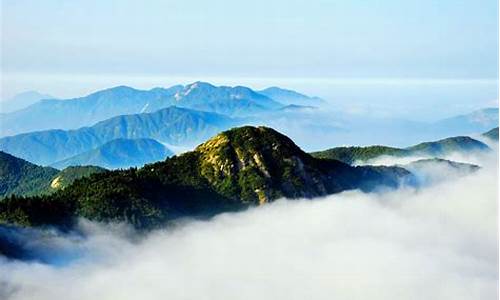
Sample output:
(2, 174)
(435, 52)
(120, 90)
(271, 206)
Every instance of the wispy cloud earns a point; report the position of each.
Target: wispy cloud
(436, 243)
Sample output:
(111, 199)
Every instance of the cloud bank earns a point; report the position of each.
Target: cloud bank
(440, 242)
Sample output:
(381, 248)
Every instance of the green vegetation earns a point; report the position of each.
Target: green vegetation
(449, 145)
(350, 155)
(171, 125)
(18, 176)
(492, 134)
(68, 175)
(433, 162)
(119, 154)
(22, 178)
(237, 168)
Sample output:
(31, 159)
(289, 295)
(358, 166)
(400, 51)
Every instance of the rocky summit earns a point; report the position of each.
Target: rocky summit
(235, 169)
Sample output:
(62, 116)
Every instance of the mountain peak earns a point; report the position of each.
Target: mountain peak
(239, 167)
(200, 85)
(117, 89)
(197, 87)
(263, 163)
(120, 91)
(290, 97)
(119, 153)
(251, 139)
(449, 145)
(22, 100)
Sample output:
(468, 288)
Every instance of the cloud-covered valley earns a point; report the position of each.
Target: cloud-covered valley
(439, 242)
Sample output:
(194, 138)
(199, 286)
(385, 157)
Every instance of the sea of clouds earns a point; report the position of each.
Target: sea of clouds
(437, 242)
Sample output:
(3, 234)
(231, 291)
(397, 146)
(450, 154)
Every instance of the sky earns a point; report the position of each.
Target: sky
(410, 57)
(244, 39)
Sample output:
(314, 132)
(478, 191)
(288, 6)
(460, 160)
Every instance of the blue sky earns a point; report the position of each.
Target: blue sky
(285, 39)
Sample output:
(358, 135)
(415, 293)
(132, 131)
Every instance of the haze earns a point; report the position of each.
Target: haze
(81, 41)
(403, 244)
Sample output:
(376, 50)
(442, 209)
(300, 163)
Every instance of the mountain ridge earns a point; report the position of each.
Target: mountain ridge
(237, 168)
(237, 101)
(491, 134)
(22, 100)
(119, 153)
(476, 121)
(290, 97)
(171, 125)
(435, 149)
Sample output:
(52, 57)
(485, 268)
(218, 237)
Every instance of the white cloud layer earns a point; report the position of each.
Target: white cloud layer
(437, 243)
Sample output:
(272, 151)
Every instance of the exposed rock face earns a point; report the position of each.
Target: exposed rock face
(262, 163)
(237, 168)
(56, 183)
(258, 164)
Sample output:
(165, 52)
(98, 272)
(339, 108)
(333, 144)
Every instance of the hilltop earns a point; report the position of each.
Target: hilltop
(351, 155)
(492, 134)
(235, 169)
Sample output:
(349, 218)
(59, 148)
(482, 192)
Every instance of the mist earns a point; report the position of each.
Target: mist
(436, 242)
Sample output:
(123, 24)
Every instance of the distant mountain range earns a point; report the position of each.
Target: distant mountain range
(289, 97)
(316, 128)
(351, 155)
(126, 113)
(435, 170)
(21, 101)
(231, 101)
(171, 125)
(474, 122)
(446, 146)
(122, 100)
(84, 111)
(20, 177)
(233, 170)
(119, 153)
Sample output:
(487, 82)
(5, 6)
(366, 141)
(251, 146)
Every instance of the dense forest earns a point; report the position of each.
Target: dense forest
(22, 178)
(235, 169)
(351, 155)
